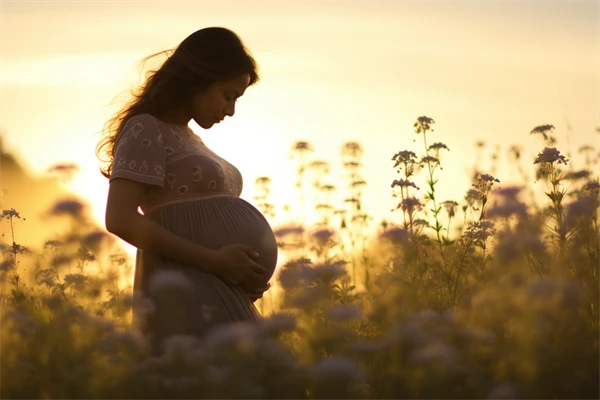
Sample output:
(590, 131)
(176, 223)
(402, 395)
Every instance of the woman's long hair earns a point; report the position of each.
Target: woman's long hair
(207, 55)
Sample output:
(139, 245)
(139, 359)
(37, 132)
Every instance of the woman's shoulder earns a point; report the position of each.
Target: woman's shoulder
(147, 118)
(143, 118)
(142, 122)
(139, 127)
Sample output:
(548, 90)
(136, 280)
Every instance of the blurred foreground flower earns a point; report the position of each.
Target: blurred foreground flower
(396, 235)
(337, 367)
(167, 280)
(508, 203)
(72, 207)
(64, 170)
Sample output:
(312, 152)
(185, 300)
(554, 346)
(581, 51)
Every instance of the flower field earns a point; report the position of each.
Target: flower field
(494, 295)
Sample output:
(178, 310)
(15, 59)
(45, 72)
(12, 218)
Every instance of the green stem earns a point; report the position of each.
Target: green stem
(435, 208)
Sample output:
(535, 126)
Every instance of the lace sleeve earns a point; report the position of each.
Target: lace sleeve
(139, 152)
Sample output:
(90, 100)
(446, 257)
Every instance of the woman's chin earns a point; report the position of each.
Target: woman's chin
(206, 125)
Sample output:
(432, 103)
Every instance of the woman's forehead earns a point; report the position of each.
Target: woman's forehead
(238, 84)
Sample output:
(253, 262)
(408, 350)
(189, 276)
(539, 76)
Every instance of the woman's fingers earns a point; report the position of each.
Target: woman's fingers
(259, 293)
(259, 269)
(263, 289)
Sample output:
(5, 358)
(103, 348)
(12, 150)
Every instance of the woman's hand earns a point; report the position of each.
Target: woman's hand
(258, 294)
(234, 264)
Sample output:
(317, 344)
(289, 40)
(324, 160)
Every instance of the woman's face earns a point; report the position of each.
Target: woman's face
(211, 106)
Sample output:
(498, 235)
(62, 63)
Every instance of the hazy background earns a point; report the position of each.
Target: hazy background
(331, 72)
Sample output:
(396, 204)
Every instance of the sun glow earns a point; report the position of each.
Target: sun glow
(365, 76)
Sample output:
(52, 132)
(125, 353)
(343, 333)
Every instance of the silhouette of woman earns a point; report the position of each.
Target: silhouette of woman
(204, 254)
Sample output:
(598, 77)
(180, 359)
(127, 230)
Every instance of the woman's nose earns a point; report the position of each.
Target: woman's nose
(230, 109)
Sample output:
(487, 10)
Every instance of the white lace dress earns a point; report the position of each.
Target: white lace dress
(194, 193)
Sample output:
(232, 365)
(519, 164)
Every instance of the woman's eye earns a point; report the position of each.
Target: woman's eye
(229, 98)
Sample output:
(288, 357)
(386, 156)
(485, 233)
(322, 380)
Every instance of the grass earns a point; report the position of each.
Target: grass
(490, 296)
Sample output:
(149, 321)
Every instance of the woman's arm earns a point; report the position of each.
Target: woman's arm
(232, 264)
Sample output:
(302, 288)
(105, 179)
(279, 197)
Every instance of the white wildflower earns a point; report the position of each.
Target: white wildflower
(344, 312)
(294, 273)
(330, 271)
(279, 322)
(218, 374)
(170, 280)
(336, 367)
(435, 351)
(176, 346)
(504, 391)
(367, 347)
(208, 311)
(306, 297)
(229, 334)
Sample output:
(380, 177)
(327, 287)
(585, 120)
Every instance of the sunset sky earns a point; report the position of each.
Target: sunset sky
(332, 71)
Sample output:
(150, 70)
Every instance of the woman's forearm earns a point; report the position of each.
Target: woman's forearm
(147, 235)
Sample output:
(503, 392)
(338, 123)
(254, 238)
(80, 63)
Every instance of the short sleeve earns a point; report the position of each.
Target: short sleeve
(139, 152)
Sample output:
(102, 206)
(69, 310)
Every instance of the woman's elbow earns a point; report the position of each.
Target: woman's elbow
(116, 224)
(122, 205)
(111, 225)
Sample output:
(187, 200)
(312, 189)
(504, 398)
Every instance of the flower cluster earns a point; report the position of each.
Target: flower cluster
(9, 214)
(544, 130)
(480, 231)
(450, 206)
(404, 183)
(411, 204)
(438, 146)
(483, 184)
(550, 155)
(408, 158)
(423, 124)
(472, 196)
(429, 159)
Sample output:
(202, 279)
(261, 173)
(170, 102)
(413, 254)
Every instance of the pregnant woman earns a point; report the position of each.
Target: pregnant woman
(194, 228)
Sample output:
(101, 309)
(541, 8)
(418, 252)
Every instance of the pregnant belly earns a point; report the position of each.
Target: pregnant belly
(219, 221)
